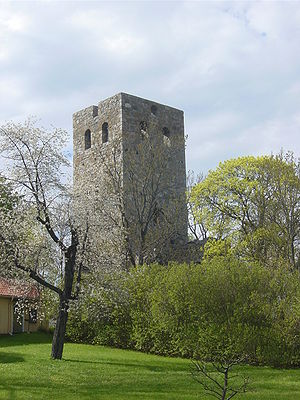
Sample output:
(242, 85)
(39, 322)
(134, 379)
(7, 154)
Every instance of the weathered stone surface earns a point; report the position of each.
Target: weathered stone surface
(145, 147)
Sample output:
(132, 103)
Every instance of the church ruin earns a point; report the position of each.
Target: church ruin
(129, 161)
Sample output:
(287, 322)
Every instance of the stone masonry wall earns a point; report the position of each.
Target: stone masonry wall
(144, 120)
(132, 122)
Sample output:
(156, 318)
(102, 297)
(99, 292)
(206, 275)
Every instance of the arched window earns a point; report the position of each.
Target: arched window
(166, 132)
(87, 139)
(143, 129)
(105, 132)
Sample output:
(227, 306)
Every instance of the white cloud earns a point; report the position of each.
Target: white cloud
(106, 32)
(13, 22)
(16, 23)
(232, 66)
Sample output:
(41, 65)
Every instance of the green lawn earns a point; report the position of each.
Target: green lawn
(96, 372)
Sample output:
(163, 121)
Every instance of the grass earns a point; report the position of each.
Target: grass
(96, 372)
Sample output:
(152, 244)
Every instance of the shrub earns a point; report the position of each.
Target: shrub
(200, 311)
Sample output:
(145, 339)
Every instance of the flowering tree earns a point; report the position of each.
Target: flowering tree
(40, 236)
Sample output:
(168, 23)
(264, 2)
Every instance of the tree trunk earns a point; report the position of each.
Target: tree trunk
(60, 330)
(225, 383)
(293, 253)
(64, 299)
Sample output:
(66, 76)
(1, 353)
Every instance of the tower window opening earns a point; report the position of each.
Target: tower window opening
(105, 132)
(95, 111)
(87, 139)
(143, 129)
(166, 132)
(153, 110)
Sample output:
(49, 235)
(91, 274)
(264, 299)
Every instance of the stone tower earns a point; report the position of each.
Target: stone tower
(129, 163)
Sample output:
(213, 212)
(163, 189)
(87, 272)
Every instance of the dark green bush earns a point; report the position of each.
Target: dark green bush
(223, 306)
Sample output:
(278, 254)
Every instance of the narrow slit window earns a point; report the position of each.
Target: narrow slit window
(105, 132)
(143, 129)
(166, 132)
(153, 110)
(87, 139)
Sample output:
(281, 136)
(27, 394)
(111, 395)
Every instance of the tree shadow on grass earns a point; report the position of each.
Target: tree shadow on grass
(149, 367)
(21, 339)
(10, 358)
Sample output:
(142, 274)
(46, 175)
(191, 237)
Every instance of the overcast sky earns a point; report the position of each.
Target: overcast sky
(233, 67)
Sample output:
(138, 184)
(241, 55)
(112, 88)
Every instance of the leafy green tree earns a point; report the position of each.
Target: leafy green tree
(7, 201)
(7, 198)
(254, 202)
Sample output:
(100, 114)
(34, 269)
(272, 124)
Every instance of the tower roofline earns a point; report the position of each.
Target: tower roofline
(122, 94)
(150, 101)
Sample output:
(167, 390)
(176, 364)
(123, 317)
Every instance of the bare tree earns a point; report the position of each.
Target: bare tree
(197, 229)
(146, 211)
(41, 237)
(217, 382)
